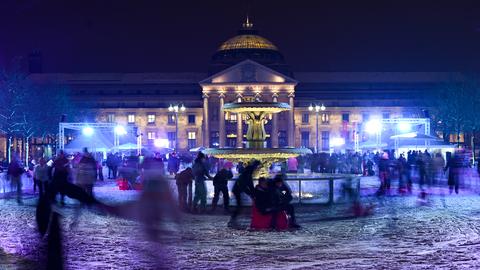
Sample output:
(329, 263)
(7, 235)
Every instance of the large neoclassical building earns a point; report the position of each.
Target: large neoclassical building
(247, 67)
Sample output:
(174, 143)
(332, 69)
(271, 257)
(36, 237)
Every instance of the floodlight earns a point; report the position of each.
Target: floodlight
(182, 108)
(88, 131)
(404, 127)
(170, 108)
(335, 142)
(323, 108)
(373, 126)
(310, 108)
(120, 130)
(161, 143)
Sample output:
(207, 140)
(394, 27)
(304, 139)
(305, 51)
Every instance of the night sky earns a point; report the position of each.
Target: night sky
(170, 36)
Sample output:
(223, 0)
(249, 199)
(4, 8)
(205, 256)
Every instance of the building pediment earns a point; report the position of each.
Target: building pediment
(248, 72)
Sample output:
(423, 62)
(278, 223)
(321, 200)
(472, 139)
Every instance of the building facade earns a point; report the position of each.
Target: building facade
(249, 67)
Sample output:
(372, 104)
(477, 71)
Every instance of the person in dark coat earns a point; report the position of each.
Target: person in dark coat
(184, 187)
(60, 173)
(200, 170)
(244, 184)
(15, 172)
(220, 185)
(282, 196)
(454, 166)
(263, 197)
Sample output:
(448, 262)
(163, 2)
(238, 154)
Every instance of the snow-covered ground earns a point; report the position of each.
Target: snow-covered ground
(401, 234)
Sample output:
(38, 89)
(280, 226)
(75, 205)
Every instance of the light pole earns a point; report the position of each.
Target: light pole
(176, 109)
(317, 109)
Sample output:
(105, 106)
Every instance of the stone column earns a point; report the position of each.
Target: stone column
(206, 129)
(239, 124)
(239, 131)
(221, 119)
(274, 134)
(291, 121)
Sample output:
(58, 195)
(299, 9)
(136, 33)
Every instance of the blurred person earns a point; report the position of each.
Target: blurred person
(292, 165)
(116, 163)
(41, 174)
(263, 196)
(173, 164)
(244, 184)
(220, 185)
(60, 174)
(383, 174)
(438, 165)
(109, 162)
(15, 172)
(454, 167)
(129, 172)
(86, 172)
(159, 163)
(201, 172)
(184, 187)
(240, 167)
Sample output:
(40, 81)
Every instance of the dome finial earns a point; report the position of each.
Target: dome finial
(247, 24)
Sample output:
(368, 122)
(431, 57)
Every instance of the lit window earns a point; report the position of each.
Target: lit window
(192, 135)
(233, 117)
(325, 118)
(151, 135)
(111, 117)
(151, 118)
(171, 119)
(131, 118)
(192, 139)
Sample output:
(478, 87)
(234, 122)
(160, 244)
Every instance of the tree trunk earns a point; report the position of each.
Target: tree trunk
(26, 150)
(9, 148)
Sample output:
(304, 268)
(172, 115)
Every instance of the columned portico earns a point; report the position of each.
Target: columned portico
(248, 81)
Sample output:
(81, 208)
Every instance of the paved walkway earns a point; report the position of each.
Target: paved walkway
(401, 234)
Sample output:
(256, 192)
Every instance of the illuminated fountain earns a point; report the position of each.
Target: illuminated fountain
(256, 117)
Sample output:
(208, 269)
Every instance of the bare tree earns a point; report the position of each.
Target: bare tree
(456, 107)
(28, 110)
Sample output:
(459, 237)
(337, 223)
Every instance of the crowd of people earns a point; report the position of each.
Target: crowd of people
(270, 196)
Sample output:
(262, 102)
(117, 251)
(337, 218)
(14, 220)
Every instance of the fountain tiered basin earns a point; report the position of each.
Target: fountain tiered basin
(257, 113)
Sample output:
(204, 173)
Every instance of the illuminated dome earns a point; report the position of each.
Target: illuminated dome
(247, 44)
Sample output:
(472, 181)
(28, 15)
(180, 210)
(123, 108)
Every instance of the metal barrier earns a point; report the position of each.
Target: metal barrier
(305, 190)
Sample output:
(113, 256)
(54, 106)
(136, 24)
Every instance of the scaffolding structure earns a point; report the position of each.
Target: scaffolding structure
(96, 126)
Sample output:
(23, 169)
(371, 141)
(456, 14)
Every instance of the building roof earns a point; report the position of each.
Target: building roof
(118, 78)
(378, 77)
(195, 77)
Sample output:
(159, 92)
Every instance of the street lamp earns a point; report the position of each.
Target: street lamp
(176, 109)
(317, 109)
